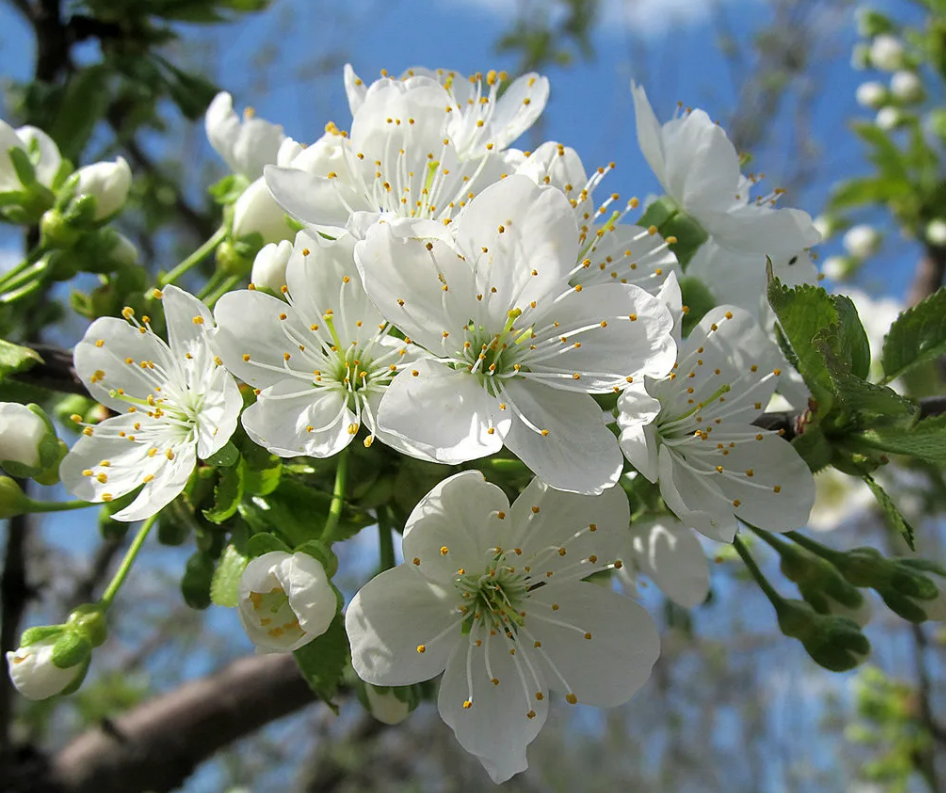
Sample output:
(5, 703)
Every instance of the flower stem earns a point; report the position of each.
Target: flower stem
(211, 300)
(338, 498)
(195, 258)
(774, 597)
(815, 547)
(386, 538)
(130, 555)
(57, 506)
(32, 257)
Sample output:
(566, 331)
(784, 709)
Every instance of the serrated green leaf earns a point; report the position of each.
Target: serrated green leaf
(225, 586)
(894, 519)
(916, 336)
(228, 493)
(925, 440)
(14, 358)
(803, 312)
(225, 457)
(852, 336)
(868, 190)
(84, 102)
(262, 470)
(322, 661)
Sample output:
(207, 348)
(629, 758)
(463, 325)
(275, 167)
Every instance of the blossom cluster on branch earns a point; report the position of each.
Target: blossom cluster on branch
(420, 292)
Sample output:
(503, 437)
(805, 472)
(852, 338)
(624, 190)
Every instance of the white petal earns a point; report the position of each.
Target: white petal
(219, 413)
(310, 594)
(607, 669)
(517, 110)
(458, 515)
(168, 484)
(548, 521)
(539, 235)
(628, 254)
(308, 197)
(391, 617)
(640, 446)
(35, 675)
(614, 349)
(281, 425)
(425, 291)
(355, 89)
(579, 453)
(180, 311)
(559, 166)
(695, 501)
(755, 229)
(667, 552)
(257, 212)
(497, 726)
(49, 157)
(649, 133)
(445, 411)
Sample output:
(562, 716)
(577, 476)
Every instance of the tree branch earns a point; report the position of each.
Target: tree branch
(930, 271)
(157, 745)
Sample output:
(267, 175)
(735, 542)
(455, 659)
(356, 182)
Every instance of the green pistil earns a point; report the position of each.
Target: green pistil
(723, 389)
(329, 320)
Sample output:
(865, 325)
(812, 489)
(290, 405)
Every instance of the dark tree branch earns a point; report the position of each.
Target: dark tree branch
(930, 271)
(15, 594)
(157, 745)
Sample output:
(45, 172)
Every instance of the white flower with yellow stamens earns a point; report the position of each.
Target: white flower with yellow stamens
(246, 146)
(286, 601)
(515, 351)
(480, 117)
(177, 402)
(410, 156)
(321, 361)
(494, 597)
(712, 463)
(609, 251)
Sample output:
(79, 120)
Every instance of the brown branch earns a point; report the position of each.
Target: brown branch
(15, 594)
(930, 271)
(158, 744)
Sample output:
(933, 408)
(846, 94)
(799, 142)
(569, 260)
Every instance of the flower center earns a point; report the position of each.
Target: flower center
(493, 598)
(273, 612)
(493, 356)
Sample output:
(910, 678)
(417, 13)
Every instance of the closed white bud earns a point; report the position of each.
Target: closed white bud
(906, 86)
(861, 241)
(888, 118)
(269, 267)
(108, 183)
(256, 211)
(21, 433)
(871, 95)
(386, 707)
(35, 675)
(886, 53)
(837, 268)
(936, 232)
(286, 601)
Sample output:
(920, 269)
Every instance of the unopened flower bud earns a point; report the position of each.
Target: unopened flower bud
(269, 267)
(906, 86)
(861, 241)
(886, 53)
(89, 621)
(836, 643)
(256, 212)
(933, 608)
(108, 183)
(838, 268)
(286, 601)
(822, 585)
(872, 95)
(28, 442)
(13, 500)
(51, 661)
(888, 118)
(385, 705)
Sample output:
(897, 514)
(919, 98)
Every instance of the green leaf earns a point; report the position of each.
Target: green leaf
(262, 470)
(894, 519)
(916, 336)
(225, 586)
(853, 337)
(14, 358)
(322, 661)
(228, 493)
(84, 103)
(803, 312)
(698, 299)
(869, 190)
(195, 583)
(671, 221)
(925, 440)
(225, 457)
(320, 551)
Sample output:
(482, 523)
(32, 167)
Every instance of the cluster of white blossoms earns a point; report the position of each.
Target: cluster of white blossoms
(451, 297)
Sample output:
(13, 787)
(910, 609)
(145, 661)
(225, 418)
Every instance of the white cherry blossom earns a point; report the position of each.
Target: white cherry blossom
(402, 160)
(515, 352)
(480, 116)
(609, 251)
(176, 401)
(246, 146)
(285, 601)
(494, 597)
(42, 151)
(712, 463)
(35, 675)
(321, 359)
(699, 168)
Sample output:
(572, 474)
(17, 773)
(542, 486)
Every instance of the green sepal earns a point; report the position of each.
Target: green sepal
(15, 358)
(225, 587)
(895, 521)
(25, 171)
(13, 500)
(79, 679)
(89, 620)
(263, 543)
(834, 642)
(40, 633)
(322, 553)
(322, 661)
(228, 189)
(70, 649)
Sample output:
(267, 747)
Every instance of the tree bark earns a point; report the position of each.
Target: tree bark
(158, 744)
